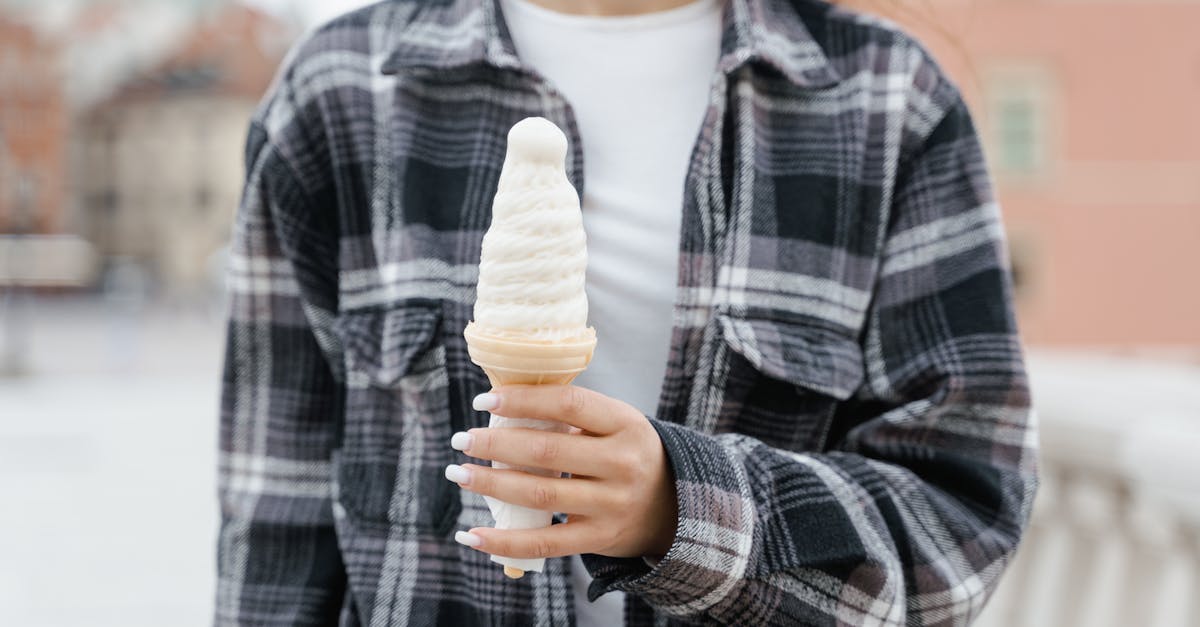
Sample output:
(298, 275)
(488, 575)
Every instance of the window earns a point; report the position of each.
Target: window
(106, 201)
(1020, 129)
(203, 198)
(1016, 130)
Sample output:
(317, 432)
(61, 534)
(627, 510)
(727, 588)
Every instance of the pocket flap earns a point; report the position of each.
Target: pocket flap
(819, 360)
(383, 344)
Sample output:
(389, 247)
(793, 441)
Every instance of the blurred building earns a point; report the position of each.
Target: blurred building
(1089, 114)
(32, 131)
(158, 163)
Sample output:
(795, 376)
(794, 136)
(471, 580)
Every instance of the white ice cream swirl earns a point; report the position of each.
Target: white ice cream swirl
(534, 257)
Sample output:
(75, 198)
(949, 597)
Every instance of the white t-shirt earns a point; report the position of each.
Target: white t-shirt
(639, 88)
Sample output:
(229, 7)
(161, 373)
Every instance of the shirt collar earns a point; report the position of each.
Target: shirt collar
(460, 33)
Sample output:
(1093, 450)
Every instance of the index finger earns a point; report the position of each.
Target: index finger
(568, 404)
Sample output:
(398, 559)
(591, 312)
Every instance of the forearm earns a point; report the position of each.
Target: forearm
(790, 538)
(278, 559)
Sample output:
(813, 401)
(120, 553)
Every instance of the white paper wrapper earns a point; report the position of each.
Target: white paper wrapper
(510, 516)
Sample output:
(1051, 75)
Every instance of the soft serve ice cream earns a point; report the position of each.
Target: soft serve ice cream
(531, 310)
(534, 256)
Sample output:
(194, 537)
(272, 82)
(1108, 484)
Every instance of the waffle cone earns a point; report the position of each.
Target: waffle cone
(510, 361)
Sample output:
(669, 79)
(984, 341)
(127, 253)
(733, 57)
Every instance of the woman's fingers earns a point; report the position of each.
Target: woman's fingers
(575, 406)
(576, 454)
(621, 485)
(553, 494)
(572, 538)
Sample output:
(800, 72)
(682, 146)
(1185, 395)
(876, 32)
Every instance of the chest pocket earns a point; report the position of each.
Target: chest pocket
(397, 426)
(781, 381)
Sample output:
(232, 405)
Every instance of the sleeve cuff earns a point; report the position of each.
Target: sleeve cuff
(714, 531)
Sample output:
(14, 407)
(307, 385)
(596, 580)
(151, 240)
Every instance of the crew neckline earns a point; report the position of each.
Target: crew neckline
(655, 19)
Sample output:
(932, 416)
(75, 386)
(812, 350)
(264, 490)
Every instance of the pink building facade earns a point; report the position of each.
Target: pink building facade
(33, 132)
(1091, 116)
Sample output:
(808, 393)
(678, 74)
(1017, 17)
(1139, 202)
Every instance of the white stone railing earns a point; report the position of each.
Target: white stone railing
(1115, 535)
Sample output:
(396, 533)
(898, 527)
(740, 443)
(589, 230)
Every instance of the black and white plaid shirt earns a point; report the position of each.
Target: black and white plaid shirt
(845, 407)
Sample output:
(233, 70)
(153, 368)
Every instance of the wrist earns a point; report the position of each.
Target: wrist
(666, 520)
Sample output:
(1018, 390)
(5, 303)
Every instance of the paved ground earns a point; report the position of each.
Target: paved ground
(107, 467)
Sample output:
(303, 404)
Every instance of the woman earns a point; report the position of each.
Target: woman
(808, 405)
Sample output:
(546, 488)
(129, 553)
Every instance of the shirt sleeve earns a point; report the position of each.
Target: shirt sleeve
(914, 512)
(282, 394)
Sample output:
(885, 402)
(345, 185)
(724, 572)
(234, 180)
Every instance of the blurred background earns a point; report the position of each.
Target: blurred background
(121, 133)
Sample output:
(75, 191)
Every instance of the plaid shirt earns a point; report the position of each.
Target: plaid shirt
(845, 408)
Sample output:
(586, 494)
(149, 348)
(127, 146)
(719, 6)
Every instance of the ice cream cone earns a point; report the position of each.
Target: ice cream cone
(510, 361)
(530, 323)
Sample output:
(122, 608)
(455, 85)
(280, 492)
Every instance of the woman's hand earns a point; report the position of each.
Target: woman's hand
(620, 499)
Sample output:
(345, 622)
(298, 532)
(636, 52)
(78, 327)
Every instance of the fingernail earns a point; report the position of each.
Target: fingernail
(467, 538)
(458, 474)
(485, 402)
(460, 441)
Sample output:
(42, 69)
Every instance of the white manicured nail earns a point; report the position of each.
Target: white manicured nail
(485, 402)
(458, 474)
(467, 538)
(460, 441)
